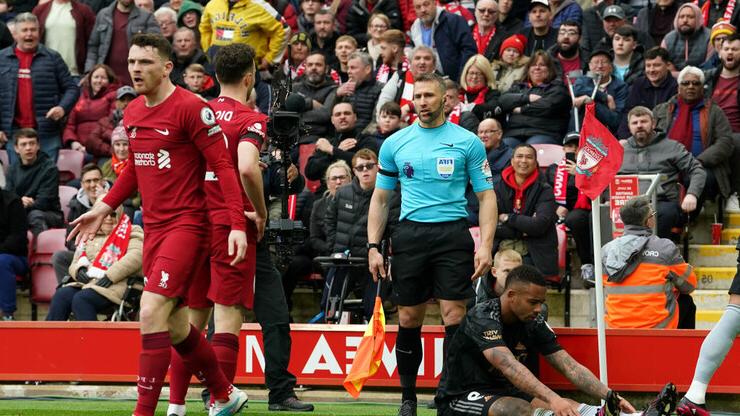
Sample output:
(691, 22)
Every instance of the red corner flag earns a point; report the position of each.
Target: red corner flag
(599, 156)
(369, 352)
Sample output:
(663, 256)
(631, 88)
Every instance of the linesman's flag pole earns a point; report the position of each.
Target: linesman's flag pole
(598, 161)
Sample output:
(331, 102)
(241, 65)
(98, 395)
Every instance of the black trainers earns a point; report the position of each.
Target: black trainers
(291, 404)
(611, 405)
(408, 408)
(664, 404)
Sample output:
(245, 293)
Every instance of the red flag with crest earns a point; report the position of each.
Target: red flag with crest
(599, 156)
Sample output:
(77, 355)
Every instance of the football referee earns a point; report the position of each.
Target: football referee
(433, 257)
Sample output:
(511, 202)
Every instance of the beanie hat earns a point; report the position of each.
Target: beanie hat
(118, 135)
(518, 42)
(722, 27)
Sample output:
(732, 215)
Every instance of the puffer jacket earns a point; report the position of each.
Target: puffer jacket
(451, 39)
(716, 135)
(549, 115)
(127, 266)
(139, 21)
(359, 15)
(40, 181)
(669, 158)
(346, 219)
(643, 275)
(364, 100)
(317, 236)
(52, 86)
(84, 117)
(696, 44)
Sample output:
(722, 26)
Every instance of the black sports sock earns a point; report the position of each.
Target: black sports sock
(408, 355)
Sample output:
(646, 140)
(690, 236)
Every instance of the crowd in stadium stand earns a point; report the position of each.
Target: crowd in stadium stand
(664, 77)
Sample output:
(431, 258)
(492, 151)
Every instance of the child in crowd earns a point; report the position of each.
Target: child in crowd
(510, 68)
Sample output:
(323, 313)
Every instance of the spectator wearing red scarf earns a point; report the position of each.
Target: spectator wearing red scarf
(479, 93)
(119, 159)
(526, 209)
(701, 126)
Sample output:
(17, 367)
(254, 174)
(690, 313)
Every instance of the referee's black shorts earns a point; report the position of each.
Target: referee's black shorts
(432, 260)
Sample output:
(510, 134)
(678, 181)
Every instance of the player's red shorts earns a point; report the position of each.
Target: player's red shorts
(172, 258)
(228, 285)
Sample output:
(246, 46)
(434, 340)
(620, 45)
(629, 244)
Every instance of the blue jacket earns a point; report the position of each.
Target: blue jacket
(616, 88)
(452, 40)
(52, 86)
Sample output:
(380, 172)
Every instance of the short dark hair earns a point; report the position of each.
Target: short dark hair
(733, 37)
(89, 168)
(525, 274)
(528, 146)
(25, 133)
(392, 108)
(432, 77)
(627, 31)
(343, 101)
(635, 211)
(233, 62)
(318, 52)
(658, 52)
(572, 23)
(451, 85)
(156, 41)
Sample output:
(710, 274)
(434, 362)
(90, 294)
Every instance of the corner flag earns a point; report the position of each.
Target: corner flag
(599, 156)
(369, 352)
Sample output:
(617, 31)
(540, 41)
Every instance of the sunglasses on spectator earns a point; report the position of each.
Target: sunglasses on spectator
(337, 178)
(366, 166)
(693, 83)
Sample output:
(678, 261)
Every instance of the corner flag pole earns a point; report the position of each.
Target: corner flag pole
(600, 324)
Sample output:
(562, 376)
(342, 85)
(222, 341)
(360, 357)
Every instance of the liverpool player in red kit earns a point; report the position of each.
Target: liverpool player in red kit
(172, 134)
(231, 287)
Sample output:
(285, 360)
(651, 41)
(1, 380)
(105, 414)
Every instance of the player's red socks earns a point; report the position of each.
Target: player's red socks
(226, 347)
(153, 362)
(198, 356)
(179, 379)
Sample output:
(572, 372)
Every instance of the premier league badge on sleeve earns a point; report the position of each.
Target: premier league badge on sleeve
(445, 167)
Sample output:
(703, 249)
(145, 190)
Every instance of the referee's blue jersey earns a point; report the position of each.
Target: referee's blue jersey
(434, 166)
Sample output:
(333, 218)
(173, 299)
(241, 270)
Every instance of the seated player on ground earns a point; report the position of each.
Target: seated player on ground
(485, 374)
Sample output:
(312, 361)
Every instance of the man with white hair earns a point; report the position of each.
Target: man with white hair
(167, 21)
(400, 86)
(701, 126)
(361, 90)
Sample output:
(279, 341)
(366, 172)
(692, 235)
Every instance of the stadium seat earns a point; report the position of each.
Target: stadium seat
(69, 164)
(66, 193)
(548, 154)
(305, 150)
(4, 159)
(43, 278)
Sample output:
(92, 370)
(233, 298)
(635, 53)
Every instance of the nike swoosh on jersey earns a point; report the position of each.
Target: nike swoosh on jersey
(447, 144)
(165, 132)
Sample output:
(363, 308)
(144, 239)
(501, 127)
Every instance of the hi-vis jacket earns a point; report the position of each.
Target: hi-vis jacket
(253, 22)
(643, 275)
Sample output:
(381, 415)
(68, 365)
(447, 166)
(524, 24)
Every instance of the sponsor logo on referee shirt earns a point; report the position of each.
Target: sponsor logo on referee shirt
(445, 167)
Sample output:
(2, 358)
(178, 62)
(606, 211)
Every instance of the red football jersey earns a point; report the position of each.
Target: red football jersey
(240, 124)
(169, 146)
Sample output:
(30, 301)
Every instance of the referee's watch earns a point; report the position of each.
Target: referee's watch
(372, 245)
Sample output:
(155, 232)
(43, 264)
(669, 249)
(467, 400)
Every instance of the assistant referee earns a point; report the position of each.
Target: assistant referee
(432, 249)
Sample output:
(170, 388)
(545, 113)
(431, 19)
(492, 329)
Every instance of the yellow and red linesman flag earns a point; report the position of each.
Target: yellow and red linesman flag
(599, 156)
(369, 352)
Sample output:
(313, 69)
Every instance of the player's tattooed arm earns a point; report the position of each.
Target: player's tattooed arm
(580, 376)
(519, 375)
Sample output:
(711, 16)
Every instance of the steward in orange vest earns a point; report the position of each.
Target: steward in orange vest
(643, 274)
